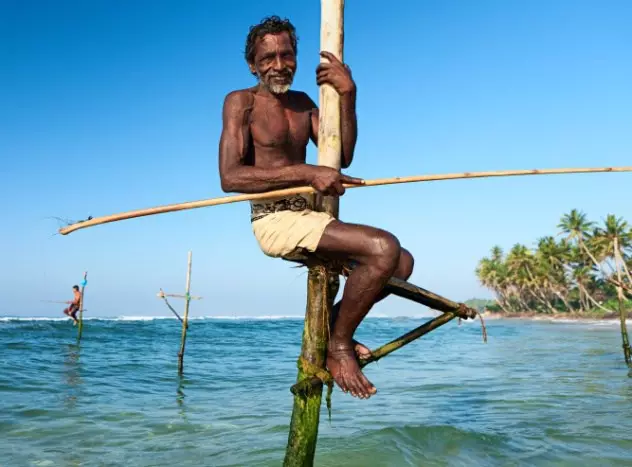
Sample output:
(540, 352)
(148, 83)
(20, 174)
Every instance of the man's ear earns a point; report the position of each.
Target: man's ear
(252, 68)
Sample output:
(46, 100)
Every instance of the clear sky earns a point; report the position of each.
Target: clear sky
(107, 106)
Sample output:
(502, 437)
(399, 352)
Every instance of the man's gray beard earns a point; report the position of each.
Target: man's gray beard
(280, 88)
(277, 88)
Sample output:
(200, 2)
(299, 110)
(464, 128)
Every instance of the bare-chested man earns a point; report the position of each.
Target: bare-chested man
(265, 134)
(73, 307)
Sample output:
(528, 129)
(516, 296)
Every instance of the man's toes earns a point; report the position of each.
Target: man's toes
(368, 387)
(362, 393)
(354, 388)
(343, 385)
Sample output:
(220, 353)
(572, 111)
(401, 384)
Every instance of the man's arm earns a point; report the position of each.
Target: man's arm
(338, 75)
(235, 175)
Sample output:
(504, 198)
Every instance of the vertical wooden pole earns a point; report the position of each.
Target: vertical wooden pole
(322, 284)
(185, 319)
(81, 303)
(623, 314)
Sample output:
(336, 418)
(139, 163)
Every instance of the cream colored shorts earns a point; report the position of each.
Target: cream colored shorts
(283, 233)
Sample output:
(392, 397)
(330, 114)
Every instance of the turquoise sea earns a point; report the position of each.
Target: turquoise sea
(538, 393)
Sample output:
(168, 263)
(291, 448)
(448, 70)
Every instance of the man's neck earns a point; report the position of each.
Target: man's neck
(263, 90)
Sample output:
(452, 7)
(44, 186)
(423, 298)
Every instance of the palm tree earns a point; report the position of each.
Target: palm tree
(590, 265)
(552, 259)
(575, 225)
(611, 243)
(491, 273)
(521, 264)
(577, 228)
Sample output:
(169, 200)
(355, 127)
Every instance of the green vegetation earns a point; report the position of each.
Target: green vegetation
(584, 271)
(481, 304)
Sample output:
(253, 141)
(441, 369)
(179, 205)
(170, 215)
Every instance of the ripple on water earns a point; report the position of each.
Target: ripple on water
(535, 394)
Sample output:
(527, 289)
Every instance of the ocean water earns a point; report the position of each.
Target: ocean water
(538, 393)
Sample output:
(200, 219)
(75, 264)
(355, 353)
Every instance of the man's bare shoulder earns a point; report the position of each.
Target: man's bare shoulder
(302, 100)
(239, 99)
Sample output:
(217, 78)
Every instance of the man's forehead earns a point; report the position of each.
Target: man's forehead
(272, 41)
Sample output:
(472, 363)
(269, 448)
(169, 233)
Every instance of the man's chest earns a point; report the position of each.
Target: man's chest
(277, 126)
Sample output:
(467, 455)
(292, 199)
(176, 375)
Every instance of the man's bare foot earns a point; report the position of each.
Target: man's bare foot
(342, 363)
(361, 350)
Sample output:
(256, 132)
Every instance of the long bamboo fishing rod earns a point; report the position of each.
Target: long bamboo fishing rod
(178, 295)
(308, 189)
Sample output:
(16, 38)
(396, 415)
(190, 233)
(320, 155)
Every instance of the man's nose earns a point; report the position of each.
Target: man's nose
(278, 63)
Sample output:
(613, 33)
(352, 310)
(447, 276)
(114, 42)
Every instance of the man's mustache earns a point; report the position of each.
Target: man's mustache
(282, 74)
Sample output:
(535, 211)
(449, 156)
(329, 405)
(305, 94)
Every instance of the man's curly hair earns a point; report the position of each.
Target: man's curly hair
(269, 25)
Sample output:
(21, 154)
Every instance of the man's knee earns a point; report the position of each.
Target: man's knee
(406, 264)
(385, 251)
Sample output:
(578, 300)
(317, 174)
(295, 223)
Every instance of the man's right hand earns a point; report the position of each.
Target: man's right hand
(329, 181)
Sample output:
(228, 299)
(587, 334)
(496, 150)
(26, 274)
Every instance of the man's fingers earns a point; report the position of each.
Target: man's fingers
(323, 76)
(323, 66)
(351, 180)
(329, 56)
(340, 190)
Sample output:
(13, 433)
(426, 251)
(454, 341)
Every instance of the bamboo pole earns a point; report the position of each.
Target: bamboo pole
(161, 294)
(623, 314)
(185, 320)
(322, 283)
(308, 189)
(416, 294)
(164, 296)
(308, 384)
(81, 303)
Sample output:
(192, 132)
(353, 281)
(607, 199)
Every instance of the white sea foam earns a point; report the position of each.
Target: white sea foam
(134, 318)
(146, 318)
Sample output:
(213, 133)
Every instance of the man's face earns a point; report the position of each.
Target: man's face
(275, 62)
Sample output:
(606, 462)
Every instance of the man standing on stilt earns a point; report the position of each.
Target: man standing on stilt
(73, 307)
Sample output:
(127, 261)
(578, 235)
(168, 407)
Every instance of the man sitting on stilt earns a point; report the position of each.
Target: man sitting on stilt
(266, 129)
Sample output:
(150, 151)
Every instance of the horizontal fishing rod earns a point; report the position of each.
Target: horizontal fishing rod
(308, 189)
(177, 295)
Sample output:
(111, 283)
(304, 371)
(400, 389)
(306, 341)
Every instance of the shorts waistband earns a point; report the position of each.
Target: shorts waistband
(259, 209)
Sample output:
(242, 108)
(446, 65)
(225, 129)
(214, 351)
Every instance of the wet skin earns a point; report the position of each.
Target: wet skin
(263, 146)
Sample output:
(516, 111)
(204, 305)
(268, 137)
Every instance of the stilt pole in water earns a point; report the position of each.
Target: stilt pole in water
(81, 303)
(185, 319)
(323, 283)
(416, 294)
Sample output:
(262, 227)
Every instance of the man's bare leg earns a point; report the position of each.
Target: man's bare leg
(376, 253)
(403, 271)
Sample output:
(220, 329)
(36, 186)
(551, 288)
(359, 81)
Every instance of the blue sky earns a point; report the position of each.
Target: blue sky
(107, 106)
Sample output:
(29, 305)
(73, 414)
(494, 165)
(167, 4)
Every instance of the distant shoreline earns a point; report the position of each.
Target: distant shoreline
(533, 316)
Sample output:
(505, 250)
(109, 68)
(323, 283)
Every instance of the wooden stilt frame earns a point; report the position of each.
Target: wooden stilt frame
(81, 304)
(323, 281)
(185, 319)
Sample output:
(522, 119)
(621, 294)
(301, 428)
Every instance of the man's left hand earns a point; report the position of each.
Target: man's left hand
(335, 73)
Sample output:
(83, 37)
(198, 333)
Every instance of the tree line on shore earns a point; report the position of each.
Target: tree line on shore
(580, 271)
(584, 268)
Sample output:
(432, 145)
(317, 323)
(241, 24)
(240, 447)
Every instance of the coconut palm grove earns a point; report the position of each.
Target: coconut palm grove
(580, 270)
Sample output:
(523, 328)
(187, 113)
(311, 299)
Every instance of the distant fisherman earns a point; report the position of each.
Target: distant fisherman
(74, 304)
